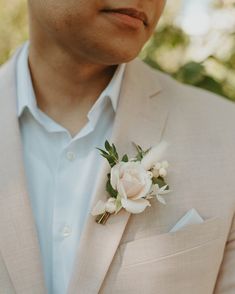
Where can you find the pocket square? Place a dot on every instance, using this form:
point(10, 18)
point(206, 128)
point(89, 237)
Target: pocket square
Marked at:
point(191, 217)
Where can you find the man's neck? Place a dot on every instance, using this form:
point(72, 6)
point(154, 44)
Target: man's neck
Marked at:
point(65, 87)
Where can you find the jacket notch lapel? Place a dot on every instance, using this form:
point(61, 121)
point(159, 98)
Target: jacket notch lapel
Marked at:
point(19, 245)
point(137, 104)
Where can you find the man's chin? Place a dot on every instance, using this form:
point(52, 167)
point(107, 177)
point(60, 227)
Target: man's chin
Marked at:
point(108, 54)
point(120, 57)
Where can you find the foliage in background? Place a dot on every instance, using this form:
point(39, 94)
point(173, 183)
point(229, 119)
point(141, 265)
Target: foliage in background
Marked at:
point(13, 26)
point(169, 50)
point(174, 52)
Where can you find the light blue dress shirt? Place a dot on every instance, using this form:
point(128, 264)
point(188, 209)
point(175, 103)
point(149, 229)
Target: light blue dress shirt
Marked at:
point(61, 171)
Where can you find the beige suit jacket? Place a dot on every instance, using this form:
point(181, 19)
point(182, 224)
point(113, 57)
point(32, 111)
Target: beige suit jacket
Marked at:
point(136, 254)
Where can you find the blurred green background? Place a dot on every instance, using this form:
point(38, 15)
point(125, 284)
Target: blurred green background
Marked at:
point(194, 41)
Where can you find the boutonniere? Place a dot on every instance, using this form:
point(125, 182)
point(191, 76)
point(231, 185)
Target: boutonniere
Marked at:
point(132, 183)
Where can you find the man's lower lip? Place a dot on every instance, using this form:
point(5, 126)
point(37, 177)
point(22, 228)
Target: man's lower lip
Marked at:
point(126, 20)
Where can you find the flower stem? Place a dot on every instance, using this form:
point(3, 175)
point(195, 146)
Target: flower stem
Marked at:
point(102, 219)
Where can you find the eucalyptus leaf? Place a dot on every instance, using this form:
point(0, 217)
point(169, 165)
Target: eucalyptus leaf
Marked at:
point(114, 150)
point(112, 192)
point(140, 152)
point(110, 154)
point(139, 155)
point(108, 146)
point(102, 151)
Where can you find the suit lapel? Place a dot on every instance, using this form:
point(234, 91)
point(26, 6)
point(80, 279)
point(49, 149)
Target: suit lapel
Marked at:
point(140, 118)
point(18, 238)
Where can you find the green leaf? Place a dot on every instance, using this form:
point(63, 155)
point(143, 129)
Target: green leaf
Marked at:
point(139, 149)
point(191, 73)
point(108, 146)
point(111, 153)
point(102, 151)
point(210, 84)
point(140, 152)
point(146, 151)
point(125, 158)
point(160, 181)
point(118, 204)
point(139, 155)
point(114, 150)
point(112, 192)
point(111, 160)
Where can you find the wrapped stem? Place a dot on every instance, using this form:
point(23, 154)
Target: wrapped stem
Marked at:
point(102, 219)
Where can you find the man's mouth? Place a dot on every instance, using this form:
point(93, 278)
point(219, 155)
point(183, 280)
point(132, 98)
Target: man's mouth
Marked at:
point(131, 12)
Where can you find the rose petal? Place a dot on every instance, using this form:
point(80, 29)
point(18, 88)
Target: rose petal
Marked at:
point(131, 180)
point(135, 206)
point(99, 208)
point(114, 177)
point(132, 188)
point(121, 190)
point(145, 190)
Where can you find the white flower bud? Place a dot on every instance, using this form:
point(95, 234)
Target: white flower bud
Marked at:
point(110, 205)
point(157, 165)
point(155, 173)
point(163, 172)
point(150, 174)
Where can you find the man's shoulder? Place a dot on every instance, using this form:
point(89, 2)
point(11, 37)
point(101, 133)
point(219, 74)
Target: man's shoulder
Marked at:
point(188, 99)
point(7, 69)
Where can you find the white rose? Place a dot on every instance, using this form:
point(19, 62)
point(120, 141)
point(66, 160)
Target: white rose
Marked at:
point(133, 183)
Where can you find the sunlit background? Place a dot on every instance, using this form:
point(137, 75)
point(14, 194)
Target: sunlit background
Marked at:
point(194, 41)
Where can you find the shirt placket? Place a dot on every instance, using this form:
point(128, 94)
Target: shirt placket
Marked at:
point(62, 222)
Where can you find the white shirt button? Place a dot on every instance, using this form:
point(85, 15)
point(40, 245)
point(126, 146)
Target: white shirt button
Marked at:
point(70, 155)
point(66, 231)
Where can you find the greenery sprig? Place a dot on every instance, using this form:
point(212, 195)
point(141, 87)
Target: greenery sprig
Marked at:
point(110, 153)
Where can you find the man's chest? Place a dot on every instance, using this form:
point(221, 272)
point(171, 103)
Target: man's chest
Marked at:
point(152, 259)
point(61, 172)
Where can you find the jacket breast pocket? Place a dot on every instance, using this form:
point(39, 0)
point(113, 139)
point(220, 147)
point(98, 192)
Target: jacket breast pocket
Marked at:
point(165, 245)
point(181, 262)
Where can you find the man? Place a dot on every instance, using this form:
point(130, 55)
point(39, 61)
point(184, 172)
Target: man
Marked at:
point(74, 85)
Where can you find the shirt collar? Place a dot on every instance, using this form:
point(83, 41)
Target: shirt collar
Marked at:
point(25, 92)
point(26, 96)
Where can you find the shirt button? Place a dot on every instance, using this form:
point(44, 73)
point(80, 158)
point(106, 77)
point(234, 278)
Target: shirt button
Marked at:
point(70, 155)
point(67, 231)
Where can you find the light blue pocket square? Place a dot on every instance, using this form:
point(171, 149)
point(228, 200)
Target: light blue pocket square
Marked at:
point(191, 217)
